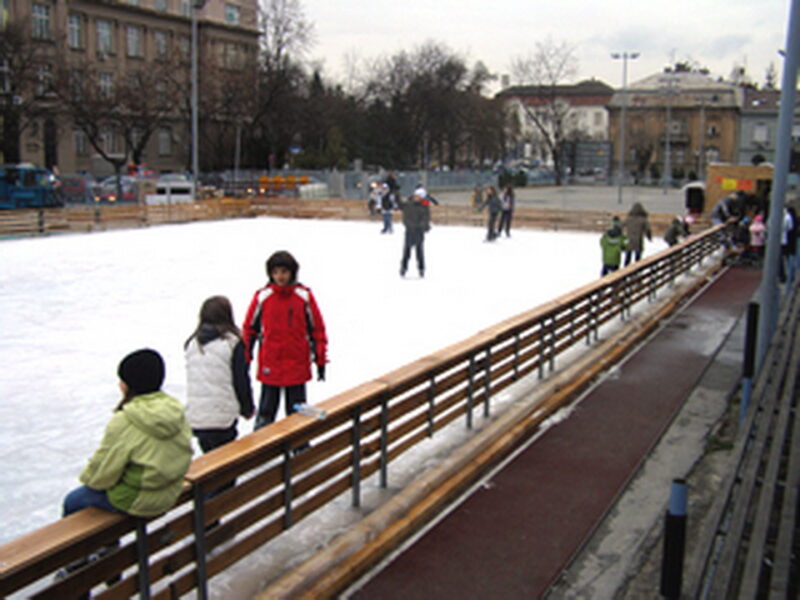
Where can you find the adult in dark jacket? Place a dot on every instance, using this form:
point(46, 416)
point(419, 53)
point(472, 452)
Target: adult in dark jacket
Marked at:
point(507, 211)
point(495, 207)
point(417, 221)
point(636, 229)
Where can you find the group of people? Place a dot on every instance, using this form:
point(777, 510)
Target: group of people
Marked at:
point(625, 239)
point(746, 231)
point(501, 209)
point(146, 449)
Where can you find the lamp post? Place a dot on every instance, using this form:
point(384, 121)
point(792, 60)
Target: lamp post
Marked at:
point(624, 56)
point(670, 90)
point(196, 5)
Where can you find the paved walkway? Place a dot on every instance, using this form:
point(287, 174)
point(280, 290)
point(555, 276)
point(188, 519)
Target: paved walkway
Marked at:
point(513, 537)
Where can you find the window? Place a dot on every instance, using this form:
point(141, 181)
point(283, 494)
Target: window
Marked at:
point(598, 118)
point(164, 142)
point(134, 39)
point(713, 131)
point(185, 46)
point(796, 132)
point(44, 79)
point(186, 8)
point(40, 20)
point(111, 142)
point(76, 83)
point(760, 133)
point(105, 81)
point(161, 5)
point(232, 14)
point(161, 43)
point(5, 84)
point(105, 38)
point(75, 31)
point(81, 145)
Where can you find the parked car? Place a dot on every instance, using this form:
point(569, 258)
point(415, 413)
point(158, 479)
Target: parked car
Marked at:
point(106, 190)
point(76, 189)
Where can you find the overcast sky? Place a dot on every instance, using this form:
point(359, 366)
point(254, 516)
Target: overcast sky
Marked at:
point(714, 33)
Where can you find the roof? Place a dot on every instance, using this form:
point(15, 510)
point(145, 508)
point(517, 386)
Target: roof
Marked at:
point(588, 87)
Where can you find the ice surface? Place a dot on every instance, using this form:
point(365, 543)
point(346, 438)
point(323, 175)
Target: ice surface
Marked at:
point(71, 306)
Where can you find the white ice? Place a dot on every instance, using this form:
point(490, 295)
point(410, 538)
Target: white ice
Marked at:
point(71, 306)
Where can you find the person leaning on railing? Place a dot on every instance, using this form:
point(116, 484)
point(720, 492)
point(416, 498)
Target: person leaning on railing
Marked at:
point(146, 450)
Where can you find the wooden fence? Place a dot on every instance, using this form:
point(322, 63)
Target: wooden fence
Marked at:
point(99, 217)
point(288, 470)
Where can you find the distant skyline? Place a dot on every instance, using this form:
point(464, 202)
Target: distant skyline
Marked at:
point(716, 34)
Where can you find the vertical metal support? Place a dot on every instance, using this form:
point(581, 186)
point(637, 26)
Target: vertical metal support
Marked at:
point(487, 384)
point(516, 355)
point(674, 542)
point(589, 318)
point(596, 328)
point(384, 458)
point(142, 555)
point(356, 441)
point(200, 540)
point(470, 389)
point(552, 361)
point(749, 362)
point(288, 521)
point(542, 347)
point(431, 404)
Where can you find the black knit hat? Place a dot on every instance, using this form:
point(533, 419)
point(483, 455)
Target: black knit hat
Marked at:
point(142, 371)
point(282, 258)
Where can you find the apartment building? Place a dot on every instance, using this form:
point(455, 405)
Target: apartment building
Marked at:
point(108, 40)
point(684, 119)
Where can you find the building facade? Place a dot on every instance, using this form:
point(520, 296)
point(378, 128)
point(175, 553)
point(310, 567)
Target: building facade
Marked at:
point(568, 112)
point(758, 125)
point(110, 42)
point(677, 122)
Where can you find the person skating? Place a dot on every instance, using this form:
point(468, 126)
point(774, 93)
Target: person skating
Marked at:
point(285, 320)
point(677, 230)
point(387, 206)
point(507, 211)
point(636, 228)
point(416, 219)
point(613, 242)
point(495, 205)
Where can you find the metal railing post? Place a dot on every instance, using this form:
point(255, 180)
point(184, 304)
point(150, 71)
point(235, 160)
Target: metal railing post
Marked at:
point(487, 384)
point(288, 521)
point(384, 458)
point(142, 555)
point(431, 404)
point(470, 390)
point(356, 441)
point(200, 540)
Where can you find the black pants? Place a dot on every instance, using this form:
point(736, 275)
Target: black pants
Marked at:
point(415, 238)
point(505, 223)
point(214, 438)
point(270, 398)
point(491, 233)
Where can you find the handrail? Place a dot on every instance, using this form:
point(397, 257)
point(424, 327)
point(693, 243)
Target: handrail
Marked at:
point(288, 470)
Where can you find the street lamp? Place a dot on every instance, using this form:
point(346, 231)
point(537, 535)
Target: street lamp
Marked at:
point(624, 56)
point(670, 85)
point(196, 5)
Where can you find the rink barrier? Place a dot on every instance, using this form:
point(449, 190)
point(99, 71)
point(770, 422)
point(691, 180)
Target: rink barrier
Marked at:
point(103, 216)
point(290, 469)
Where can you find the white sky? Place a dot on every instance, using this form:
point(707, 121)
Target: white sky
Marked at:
point(715, 33)
point(71, 306)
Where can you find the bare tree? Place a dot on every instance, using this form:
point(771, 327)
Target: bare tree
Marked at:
point(550, 65)
point(24, 72)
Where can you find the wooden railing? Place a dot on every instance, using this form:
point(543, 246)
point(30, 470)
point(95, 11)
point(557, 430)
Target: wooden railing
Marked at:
point(290, 469)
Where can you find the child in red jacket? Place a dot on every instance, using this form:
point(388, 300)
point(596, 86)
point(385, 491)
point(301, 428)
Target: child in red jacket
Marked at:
point(285, 320)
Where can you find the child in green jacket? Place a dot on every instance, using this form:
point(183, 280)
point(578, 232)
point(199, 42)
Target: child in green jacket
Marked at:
point(613, 243)
point(146, 450)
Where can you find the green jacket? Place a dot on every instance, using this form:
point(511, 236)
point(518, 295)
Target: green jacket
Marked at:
point(613, 243)
point(143, 457)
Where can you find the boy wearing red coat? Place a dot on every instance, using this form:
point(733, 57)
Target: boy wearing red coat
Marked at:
point(285, 320)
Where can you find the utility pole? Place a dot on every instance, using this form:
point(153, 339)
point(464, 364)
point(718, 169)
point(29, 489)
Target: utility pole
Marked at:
point(196, 6)
point(621, 175)
point(670, 90)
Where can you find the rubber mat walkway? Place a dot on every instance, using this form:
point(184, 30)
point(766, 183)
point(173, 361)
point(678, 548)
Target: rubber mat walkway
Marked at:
point(518, 531)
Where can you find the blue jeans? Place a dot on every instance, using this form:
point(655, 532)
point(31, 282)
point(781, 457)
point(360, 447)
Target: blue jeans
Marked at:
point(387, 221)
point(84, 497)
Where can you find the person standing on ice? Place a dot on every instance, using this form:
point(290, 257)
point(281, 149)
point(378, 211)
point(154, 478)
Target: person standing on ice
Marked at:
point(146, 449)
point(507, 211)
point(636, 228)
point(217, 376)
point(417, 221)
point(285, 321)
point(613, 242)
point(495, 205)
